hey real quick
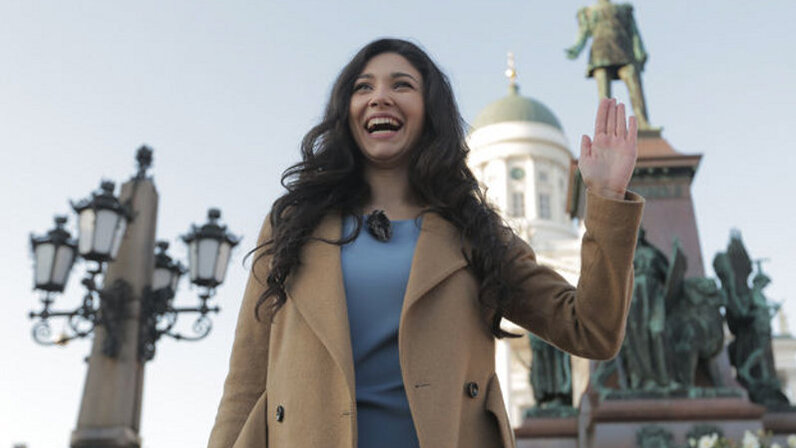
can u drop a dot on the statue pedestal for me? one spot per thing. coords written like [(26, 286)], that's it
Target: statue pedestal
[(663, 176), (781, 424), (619, 423), (548, 432)]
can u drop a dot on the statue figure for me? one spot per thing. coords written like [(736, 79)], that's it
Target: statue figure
[(551, 375), (616, 53), (749, 319), (643, 349), (695, 331)]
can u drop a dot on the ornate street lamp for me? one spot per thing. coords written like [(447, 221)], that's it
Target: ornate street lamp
[(129, 300), (209, 247), (102, 222), (53, 256)]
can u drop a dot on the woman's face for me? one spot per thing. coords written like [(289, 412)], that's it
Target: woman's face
[(386, 112)]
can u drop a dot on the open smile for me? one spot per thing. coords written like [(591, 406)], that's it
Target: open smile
[(383, 125)]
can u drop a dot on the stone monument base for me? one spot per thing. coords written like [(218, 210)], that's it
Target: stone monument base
[(548, 432), (619, 423), (780, 424)]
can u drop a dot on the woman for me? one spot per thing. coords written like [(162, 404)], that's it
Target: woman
[(379, 331)]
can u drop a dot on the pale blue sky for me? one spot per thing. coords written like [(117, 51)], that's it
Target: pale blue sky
[(224, 91)]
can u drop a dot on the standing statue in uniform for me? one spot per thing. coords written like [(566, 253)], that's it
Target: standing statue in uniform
[(616, 53)]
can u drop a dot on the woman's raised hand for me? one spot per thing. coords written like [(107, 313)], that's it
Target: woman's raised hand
[(606, 161)]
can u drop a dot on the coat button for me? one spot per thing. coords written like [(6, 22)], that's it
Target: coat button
[(472, 389), (280, 413)]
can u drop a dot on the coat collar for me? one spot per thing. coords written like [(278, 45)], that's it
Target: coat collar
[(317, 288)]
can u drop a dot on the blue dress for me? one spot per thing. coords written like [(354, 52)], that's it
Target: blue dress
[(375, 275)]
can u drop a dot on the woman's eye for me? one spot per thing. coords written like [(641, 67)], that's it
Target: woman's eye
[(400, 84), (361, 86)]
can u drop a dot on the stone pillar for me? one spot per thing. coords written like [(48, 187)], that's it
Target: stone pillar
[(663, 176), (110, 410)]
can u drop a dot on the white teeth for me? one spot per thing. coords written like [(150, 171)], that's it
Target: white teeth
[(382, 120)]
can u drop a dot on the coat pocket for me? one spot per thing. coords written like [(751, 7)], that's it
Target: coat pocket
[(496, 407), (254, 433)]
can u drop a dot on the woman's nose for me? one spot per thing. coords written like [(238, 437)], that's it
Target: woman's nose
[(380, 97)]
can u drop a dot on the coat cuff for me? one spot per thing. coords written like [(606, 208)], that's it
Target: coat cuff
[(614, 220)]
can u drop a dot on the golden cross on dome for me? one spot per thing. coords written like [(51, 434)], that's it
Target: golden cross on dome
[(511, 71)]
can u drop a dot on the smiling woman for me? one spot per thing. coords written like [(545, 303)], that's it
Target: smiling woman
[(347, 339)]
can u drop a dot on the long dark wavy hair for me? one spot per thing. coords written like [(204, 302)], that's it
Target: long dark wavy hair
[(330, 178)]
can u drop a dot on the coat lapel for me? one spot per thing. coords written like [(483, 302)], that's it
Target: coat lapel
[(438, 254), (317, 291)]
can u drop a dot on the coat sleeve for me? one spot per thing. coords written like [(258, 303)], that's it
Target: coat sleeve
[(587, 321), (248, 365)]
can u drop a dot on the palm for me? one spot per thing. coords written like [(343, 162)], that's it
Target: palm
[(606, 161)]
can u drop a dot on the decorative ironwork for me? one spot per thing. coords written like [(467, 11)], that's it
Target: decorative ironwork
[(159, 317), (99, 307)]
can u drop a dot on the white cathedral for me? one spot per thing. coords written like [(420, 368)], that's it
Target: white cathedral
[(520, 155)]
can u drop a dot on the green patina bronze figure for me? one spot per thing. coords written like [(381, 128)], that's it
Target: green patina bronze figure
[(644, 348), (749, 319), (617, 51), (694, 326), (551, 380)]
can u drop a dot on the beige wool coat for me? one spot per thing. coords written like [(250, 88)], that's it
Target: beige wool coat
[(291, 382)]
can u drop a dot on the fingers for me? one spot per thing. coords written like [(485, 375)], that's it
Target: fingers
[(621, 129), (585, 146), (602, 116), (633, 131), (612, 119), (610, 122)]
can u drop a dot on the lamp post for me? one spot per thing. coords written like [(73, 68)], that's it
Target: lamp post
[(128, 305)]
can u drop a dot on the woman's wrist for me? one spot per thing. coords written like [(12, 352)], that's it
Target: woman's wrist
[(610, 193)]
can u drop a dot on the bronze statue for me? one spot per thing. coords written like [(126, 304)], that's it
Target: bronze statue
[(644, 348), (551, 375), (695, 331), (749, 319), (616, 53)]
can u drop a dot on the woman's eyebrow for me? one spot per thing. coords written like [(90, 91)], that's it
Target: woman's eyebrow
[(392, 75), (402, 74)]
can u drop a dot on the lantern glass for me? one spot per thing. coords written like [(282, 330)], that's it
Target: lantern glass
[(161, 279), (207, 256), (105, 230), (45, 256), (86, 229), (222, 262), (117, 239), (192, 261), (64, 258), (175, 281)]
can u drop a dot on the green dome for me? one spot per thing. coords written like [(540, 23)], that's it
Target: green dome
[(514, 107)]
